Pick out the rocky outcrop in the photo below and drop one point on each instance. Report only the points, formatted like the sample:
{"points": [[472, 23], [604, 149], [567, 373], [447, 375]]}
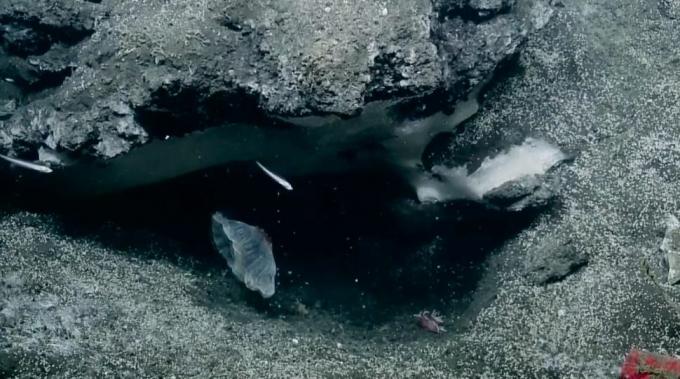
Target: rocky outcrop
{"points": [[554, 261], [114, 75]]}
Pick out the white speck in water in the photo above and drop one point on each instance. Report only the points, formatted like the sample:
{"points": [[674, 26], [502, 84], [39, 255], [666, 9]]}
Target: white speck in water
{"points": [[356, 280], [339, 345], [327, 9], [384, 11], [561, 312], [167, 138], [295, 341], [9, 80]]}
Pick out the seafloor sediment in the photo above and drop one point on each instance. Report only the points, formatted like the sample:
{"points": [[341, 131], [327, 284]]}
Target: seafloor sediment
{"points": [[600, 81]]}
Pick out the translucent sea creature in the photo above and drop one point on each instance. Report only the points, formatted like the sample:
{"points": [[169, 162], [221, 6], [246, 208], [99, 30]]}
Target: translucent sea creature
{"points": [[248, 252]]}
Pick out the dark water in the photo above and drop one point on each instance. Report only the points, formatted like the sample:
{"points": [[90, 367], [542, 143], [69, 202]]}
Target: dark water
{"points": [[358, 243]]}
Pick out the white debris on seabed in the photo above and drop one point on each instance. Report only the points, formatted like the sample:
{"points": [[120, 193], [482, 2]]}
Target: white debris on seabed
{"points": [[671, 248], [532, 157]]}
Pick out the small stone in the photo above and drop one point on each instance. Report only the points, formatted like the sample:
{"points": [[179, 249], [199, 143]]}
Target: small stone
{"points": [[553, 261]]}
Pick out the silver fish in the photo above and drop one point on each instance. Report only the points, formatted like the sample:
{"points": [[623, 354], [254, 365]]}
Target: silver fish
{"points": [[26, 164], [283, 182]]}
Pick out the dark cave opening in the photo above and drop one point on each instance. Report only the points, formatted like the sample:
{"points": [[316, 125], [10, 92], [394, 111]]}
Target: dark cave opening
{"points": [[355, 242]]}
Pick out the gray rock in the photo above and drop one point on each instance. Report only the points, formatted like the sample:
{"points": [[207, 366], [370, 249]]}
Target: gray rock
{"points": [[553, 261], [528, 192], [7, 109], [670, 8], [513, 191], [185, 66]]}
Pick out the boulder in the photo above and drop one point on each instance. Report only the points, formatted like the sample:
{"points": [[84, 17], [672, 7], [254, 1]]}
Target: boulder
{"points": [[184, 66]]}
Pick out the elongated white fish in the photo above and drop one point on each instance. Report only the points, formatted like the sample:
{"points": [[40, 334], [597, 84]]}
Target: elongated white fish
{"points": [[283, 182], [26, 164]]}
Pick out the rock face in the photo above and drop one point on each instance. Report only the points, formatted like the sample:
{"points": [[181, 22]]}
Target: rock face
{"points": [[97, 79]]}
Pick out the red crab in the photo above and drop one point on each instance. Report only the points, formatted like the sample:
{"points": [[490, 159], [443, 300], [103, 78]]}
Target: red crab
{"points": [[430, 321]]}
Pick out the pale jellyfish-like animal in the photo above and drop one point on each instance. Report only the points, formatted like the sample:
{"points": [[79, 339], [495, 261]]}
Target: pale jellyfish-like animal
{"points": [[248, 252]]}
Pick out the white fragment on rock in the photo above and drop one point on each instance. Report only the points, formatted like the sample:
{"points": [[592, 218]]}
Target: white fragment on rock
{"points": [[532, 157], [671, 247]]}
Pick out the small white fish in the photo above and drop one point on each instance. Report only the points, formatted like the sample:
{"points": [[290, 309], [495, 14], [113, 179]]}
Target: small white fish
{"points": [[283, 182], [26, 164]]}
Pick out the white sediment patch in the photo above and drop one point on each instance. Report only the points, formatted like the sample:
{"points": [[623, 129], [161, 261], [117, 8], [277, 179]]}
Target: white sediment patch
{"points": [[532, 157]]}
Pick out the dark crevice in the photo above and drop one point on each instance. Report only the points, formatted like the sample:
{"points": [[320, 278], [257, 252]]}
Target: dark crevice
{"points": [[353, 240], [413, 108], [176, 109], [465, 11], [49, 79], [507, 68], [25, 35], [45, 34]]}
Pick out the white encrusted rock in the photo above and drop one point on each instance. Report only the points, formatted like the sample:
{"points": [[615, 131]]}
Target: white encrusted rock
{"points": [[671, 247]]}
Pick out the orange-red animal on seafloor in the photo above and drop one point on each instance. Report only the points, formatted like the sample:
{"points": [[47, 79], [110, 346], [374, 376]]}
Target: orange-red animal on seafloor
{"points": [[430, 321], [640, 364]]}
